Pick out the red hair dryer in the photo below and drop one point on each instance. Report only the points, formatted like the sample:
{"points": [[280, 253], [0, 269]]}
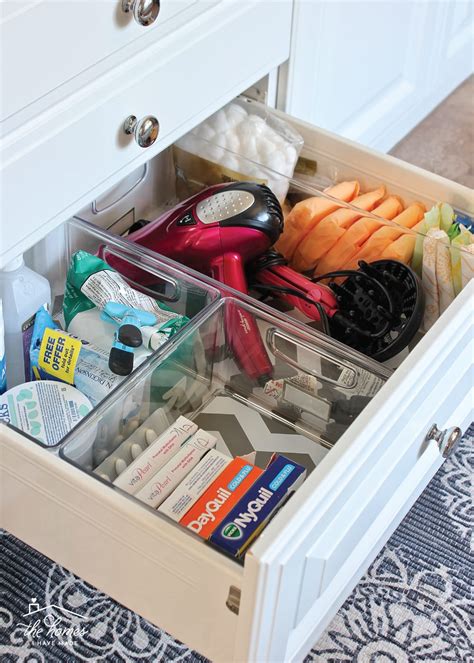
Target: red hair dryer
{"points": [[218, 232], [227, 228]]}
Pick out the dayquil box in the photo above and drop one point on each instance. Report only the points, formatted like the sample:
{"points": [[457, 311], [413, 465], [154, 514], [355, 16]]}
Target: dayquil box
{"points": [[249, 516], [212, 507]]}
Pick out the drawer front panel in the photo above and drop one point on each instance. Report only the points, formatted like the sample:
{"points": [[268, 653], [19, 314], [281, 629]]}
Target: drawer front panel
{"points": [[85, 147], [332, 521], [120, 547], [47, 43]]}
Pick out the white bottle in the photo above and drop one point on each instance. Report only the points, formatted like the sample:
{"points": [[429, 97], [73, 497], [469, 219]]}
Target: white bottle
{"points": [[23, 292]]}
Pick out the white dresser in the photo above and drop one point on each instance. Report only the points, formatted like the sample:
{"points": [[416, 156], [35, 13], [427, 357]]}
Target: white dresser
{"points": [[72, 73]]}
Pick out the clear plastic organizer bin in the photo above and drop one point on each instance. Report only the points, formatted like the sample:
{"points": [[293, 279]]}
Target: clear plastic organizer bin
{"points": [[173, 285], [442, 260], [259, 385]]}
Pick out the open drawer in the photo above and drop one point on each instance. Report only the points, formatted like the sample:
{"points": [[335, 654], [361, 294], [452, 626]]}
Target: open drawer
{"points": [[297, 574]]}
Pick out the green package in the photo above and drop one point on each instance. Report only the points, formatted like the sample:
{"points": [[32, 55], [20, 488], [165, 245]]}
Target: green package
{"points": [[92, 282]]}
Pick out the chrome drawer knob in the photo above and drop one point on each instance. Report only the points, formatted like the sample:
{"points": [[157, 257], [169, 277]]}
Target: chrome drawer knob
{"points": [[145, 12], [446, 439], [145, 130]]}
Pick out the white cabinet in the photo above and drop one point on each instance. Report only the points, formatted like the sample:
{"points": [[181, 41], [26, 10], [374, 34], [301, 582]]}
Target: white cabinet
{"points": [[371, 71], [294, 577]]}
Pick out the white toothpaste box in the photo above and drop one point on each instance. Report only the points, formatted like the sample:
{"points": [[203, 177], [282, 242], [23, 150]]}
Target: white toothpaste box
{"points": [[194, 485], [170, 476], [156, 456]]}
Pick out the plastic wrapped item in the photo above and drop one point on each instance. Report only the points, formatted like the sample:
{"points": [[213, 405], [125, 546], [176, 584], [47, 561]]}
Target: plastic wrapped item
{"points": [[247, 129], [46, 410]]}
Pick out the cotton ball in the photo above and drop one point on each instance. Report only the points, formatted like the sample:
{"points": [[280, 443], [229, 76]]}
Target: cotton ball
{"points": [[277, 162], [220, 139], [265, 149], [291, 158], [275, 138], [206, 132], [258, 126], [244, 131], [233, 142], [214, 153], [249, 147], [219, 121], [235, 115]]}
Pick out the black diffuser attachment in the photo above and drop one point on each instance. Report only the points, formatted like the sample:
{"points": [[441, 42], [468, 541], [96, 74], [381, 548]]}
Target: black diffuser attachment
{"points": [[381, 307]]}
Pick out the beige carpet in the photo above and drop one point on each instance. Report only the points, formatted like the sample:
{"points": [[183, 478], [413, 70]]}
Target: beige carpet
{"points": [[443, 143]]}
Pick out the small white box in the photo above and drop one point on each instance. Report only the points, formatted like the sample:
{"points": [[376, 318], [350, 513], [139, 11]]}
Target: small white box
{"points": [[143, 468], [194, 485], [170, 476]]}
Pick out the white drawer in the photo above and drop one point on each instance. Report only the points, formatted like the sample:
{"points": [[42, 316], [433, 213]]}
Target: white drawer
{"points": [[76, 150], [47, 43], [300, 570]]}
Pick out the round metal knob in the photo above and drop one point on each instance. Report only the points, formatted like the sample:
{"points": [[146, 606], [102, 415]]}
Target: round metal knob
{"points": [[145, 130], [445, 439], [145, 12]]}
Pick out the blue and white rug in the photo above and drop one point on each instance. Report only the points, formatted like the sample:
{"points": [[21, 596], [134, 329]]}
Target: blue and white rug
{"points": [[415, 603]]}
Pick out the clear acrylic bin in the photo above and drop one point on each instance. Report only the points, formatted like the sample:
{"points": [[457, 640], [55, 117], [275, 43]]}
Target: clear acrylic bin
{"points": [[303, 395], [165, 281], [195, 163]]}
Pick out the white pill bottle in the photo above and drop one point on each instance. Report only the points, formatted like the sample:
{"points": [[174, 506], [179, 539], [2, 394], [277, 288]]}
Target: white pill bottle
{"points": [[23, 292]]}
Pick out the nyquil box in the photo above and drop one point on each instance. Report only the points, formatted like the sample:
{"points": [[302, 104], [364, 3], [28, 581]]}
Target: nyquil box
{"points": [[254, 509]]}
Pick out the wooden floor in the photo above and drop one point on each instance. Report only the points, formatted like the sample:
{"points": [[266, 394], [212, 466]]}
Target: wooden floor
{"points": [[444, 142]]}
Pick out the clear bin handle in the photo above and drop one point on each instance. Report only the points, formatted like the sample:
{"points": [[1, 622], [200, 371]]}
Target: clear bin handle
{"points": [[273, 333], [149, 268], [94, 206]]}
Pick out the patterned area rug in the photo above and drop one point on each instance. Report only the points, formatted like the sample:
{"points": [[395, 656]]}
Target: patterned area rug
{"points": [[415, 603]]}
